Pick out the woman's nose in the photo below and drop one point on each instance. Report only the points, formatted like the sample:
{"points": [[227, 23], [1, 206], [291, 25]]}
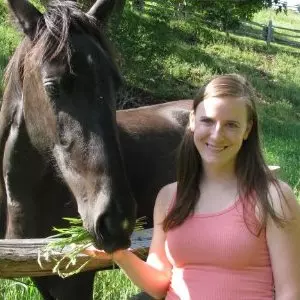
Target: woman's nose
{"points": [[217, 131]]}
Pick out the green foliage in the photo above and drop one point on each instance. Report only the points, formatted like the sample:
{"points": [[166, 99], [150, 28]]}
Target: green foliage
{"points": [[77, 238], [3, 12], [227, 15]]}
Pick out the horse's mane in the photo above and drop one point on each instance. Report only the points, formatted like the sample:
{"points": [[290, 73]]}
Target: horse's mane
{"points": [[52, 36]]}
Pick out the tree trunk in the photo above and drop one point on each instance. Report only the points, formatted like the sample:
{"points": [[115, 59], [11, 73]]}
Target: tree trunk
{"points": [[118, 13]]}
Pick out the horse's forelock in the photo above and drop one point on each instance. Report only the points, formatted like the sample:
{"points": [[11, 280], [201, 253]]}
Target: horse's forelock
{"points": [[52, 39], [53, 30]]}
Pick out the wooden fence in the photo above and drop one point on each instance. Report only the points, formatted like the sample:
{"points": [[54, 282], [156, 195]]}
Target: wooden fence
{"points": [[271, 33], [19, 258]]}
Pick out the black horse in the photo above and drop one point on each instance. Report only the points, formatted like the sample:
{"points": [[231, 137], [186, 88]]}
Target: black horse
{"points": [[64, 148]]}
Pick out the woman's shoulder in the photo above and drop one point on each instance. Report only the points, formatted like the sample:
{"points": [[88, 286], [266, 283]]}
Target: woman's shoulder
{"points": [[283, 199], [166, 196], [169, 188]]}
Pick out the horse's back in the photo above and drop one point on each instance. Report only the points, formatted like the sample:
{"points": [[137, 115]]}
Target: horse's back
{"points": [[154, 117], [149, 137]]}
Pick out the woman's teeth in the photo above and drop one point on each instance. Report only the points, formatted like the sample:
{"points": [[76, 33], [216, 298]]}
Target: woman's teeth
{"points": [[215, 148]]}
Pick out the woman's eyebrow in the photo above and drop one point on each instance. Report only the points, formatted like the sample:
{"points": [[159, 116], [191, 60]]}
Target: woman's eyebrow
{"points": [[233, 121], [203, 118]]}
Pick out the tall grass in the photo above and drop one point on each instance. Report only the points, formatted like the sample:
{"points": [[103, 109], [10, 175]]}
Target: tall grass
{"points": [[18, 289], [165, 59], [109, 285]]}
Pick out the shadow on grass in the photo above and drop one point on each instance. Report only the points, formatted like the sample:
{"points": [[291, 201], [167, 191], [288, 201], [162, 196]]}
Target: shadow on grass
{"points": [[145, 45]]}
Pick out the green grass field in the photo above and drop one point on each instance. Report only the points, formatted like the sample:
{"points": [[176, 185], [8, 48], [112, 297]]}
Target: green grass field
{"points": [[164, 58]]}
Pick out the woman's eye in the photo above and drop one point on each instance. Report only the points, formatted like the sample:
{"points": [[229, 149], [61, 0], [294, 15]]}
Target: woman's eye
{"points": [[206, 121], [232, 125]]}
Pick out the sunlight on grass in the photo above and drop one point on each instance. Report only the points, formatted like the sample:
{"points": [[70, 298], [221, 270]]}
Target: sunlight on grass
{"points": [[110, 286], [18, 289], [291, 20]]}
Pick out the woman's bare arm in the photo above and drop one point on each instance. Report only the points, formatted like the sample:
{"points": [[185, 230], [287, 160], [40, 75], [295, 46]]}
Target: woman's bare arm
{"points": [[154, 275], [284, 245]]}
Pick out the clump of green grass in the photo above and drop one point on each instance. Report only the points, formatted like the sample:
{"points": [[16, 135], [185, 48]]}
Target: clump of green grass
{"points": [[76, 238], [72, 241]]}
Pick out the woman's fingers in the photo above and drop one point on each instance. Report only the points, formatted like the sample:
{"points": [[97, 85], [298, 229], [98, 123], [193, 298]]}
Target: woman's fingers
{"points": [[94, 252], [101, 254]]}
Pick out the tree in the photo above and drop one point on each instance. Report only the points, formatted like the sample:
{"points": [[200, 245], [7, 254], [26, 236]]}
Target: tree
{"points": [[229, 14]]}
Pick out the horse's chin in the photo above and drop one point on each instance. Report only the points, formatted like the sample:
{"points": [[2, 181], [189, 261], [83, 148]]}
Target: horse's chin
{"points": [[113, 246]]}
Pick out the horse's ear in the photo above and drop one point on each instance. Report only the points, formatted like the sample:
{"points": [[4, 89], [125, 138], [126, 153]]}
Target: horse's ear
{"points": [[102, 9], [27, 15]]}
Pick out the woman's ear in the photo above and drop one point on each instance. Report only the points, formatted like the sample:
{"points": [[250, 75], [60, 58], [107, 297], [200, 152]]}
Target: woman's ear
{"points": [[192, 121], [248, 130]]}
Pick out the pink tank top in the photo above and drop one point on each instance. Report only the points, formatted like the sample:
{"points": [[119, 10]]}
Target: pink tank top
{"points": [[216, 257]]}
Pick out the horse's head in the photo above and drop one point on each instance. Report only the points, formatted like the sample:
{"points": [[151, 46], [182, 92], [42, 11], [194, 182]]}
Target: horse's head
{"points": [[68, 83]]}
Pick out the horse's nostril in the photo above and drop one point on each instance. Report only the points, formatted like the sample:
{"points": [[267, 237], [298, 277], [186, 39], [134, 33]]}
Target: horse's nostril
{"points": [[106, 229]]}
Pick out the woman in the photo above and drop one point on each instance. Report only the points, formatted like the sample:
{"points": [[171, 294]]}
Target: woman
{"points": [[227, 229]]}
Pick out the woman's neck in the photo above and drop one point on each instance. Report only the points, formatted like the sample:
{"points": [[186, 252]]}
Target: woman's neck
{"points": [[219, 174]]}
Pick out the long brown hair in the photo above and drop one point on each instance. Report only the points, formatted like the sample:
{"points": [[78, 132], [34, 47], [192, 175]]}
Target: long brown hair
{"points": [[253, 175]]}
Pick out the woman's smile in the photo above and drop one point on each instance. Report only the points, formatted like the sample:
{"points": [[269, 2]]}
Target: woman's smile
{"points": [[215, 148]]}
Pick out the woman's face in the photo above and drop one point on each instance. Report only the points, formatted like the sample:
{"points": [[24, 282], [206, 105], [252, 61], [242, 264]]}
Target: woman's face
{"points": [[220, 126]]}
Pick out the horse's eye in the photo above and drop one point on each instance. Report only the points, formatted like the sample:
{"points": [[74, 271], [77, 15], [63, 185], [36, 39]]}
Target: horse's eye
{"points": [[52, 89]]}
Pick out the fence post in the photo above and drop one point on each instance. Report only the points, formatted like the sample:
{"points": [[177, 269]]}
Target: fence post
{"points": [[270, 33]]}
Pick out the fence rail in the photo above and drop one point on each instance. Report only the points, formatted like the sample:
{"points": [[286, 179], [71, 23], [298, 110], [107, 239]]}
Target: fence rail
{"points": [[285, 28], [19, 258], [270, 33]]}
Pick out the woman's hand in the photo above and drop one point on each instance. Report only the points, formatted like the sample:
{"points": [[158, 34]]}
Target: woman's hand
{"points": [[96, 253], [101, 254]]}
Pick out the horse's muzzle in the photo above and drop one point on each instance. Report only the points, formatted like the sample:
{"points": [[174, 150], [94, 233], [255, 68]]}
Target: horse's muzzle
{"points": [[111, 236]]}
